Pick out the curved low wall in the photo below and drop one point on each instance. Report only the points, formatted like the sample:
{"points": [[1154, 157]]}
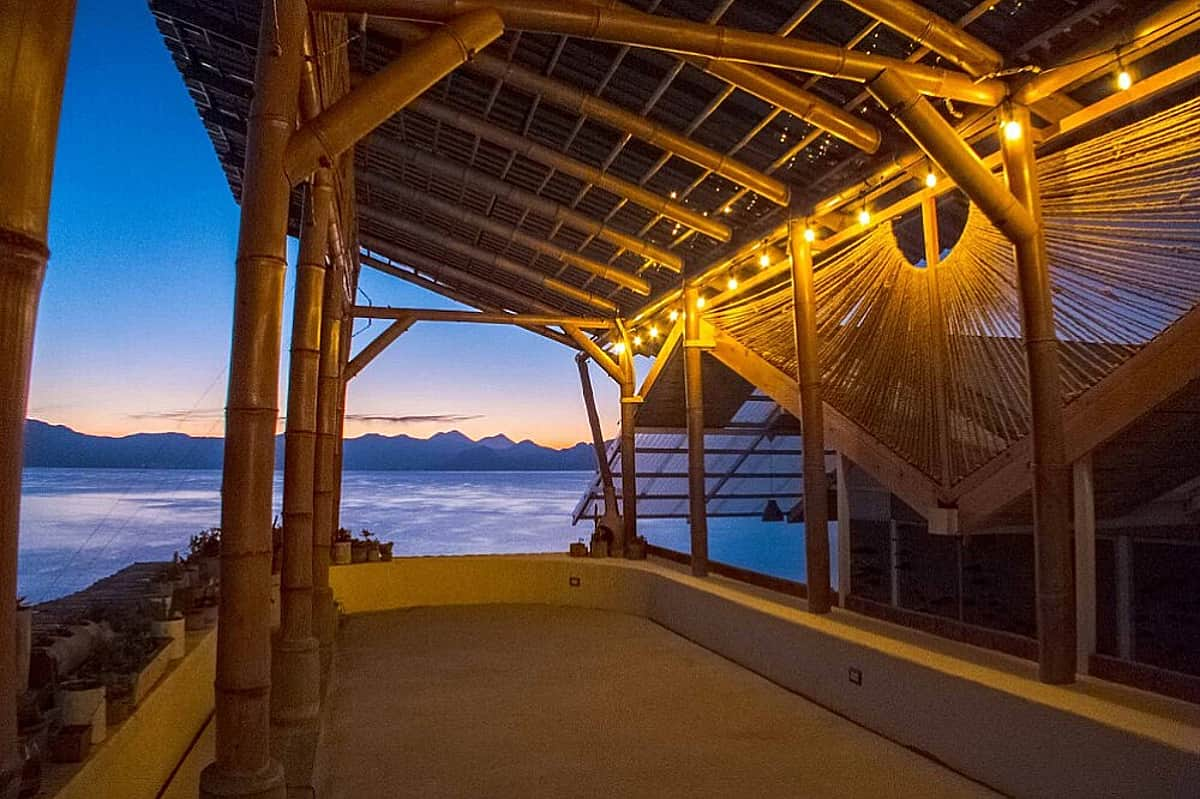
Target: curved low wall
{"points": [[979, 712]]}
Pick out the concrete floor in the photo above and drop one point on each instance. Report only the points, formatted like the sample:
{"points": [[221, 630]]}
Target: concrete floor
{"points": [[532, 701]]}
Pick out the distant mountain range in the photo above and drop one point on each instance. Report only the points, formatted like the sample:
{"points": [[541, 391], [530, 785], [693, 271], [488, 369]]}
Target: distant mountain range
{"points": [[59, 446]]}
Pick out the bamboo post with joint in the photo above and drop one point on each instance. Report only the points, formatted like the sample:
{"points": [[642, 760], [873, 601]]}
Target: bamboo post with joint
{"points": [[629, 405], [1051, 472], [244, 766], [329, 382], [940, 335], [808, 379], [35, 40], [296, 675], [693, 351]]}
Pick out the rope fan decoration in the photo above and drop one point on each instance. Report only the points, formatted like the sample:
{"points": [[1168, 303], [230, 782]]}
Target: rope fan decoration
{"points": [[1122, 216]]}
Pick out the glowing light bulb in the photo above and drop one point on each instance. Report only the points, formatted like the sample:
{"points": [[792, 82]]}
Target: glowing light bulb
{"points": [[653, 332], [1124, 79], [674, 195], [931, 180], [764, 260], [810, 235], [700, 301], [673, 315], [864, 217], [637, 341], [732, 284], [727, 209], [618, 348], [1013, 130]]}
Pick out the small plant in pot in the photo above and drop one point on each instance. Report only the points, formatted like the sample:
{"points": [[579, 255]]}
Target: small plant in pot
{"points": [[166, 622], [342, 547], [358, 549], [372, 546], [385, 550], [204, 550]]}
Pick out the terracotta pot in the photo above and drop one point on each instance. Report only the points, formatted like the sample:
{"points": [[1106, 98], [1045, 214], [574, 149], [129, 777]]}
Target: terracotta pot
{"points": [[176, 630], [358, 552], [385, 551], [373, 552], [211, 611], [341, 553]]}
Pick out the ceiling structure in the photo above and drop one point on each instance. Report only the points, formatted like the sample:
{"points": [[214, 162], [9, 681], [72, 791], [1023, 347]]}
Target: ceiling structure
{"points": [[565, 174]]}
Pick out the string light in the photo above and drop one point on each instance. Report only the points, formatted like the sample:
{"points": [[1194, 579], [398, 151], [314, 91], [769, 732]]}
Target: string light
{"points": [[1013, 130], [732, 283], [810, 235], [618, 348], [931, 180], [727, 209], [673, 315], [764, 260], [700, 301], [637, 341], [653, 332], [864, 217], [1124, 79]]}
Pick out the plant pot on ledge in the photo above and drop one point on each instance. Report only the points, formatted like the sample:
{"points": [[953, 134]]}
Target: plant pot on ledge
{"points": [[358, 551], [385, 550], [342, 548]]}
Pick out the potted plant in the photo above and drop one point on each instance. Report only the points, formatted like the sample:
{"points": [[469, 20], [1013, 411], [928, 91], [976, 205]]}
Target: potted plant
{"points": [[342, 547], [166, 622], [204, 550], [372, 546], [210, 606], [385, 550]]}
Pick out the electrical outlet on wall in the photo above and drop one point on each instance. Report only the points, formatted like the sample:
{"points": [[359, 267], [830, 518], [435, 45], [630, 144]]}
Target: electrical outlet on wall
{"points": [[574, 581], [856, 676]]}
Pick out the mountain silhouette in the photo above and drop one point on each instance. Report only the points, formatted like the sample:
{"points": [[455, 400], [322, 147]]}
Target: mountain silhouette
{"points": [[48, 445]]}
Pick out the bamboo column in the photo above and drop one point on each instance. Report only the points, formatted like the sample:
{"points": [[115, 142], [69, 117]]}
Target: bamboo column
{"points": [[329, 387], [1051, 472], [35, 38], [629, 405], [296, 668], [693, 349], [244, 766], [816, 498]]}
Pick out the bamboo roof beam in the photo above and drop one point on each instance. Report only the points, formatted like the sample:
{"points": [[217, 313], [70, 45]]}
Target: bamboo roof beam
{"points": [[940, 35], [447, 275], [628, 27], [495, 260], [320, 140], [479, 317], [576, 169], [484, 223], [583, 103], [556, 212], [466, 298]]}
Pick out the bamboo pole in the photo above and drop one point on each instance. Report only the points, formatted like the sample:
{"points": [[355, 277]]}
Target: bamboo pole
{"points": [[602, 466], [35, 39], [244, 766], [808, 379], [939, 35], [940, 354], [334, 130], [296, 668], [376, 346], [626, 26], [1051, 472], [693, 350], [629, 405], [329, 382]]}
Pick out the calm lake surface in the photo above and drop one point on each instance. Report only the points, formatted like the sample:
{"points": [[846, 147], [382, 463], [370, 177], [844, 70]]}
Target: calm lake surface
{"points": [[79, 525]]}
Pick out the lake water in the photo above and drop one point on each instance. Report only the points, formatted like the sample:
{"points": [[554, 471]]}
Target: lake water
{"points": [[78, 525]]}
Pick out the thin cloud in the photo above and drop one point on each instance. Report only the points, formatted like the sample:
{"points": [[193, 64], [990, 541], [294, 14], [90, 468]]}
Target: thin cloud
{"points": [[439, 418], [181, 416]]}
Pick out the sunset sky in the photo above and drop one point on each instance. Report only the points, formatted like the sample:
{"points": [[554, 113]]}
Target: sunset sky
{"points": [[133, 333]]}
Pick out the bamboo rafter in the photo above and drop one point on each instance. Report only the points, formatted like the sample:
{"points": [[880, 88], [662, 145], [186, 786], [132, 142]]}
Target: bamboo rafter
{"points": [[1120, 215]]}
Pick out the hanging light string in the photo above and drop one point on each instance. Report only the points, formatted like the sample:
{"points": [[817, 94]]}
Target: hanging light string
{"points": [[1122, 235]]}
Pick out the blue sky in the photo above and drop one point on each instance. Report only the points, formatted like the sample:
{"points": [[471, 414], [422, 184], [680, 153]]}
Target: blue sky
{"points": [[133, 333]]}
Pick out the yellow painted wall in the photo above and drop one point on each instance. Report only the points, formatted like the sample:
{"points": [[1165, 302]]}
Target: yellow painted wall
{"points": [[982, 713], [138, 756]]}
